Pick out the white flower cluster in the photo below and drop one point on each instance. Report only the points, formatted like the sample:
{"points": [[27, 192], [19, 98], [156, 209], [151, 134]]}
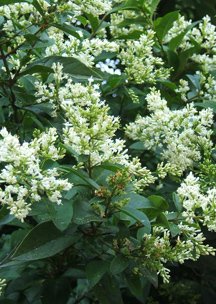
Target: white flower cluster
{"points": [[16, 10], [183, 89], [159, 249], [206, 88], [89, 130], [79, 7], [178, 136], [116, 19], [27, 16], [204, 34], [206, 61], [23, 178], [197, 205], [140, 62], [179, 26], [85, 50], [93, 7]]}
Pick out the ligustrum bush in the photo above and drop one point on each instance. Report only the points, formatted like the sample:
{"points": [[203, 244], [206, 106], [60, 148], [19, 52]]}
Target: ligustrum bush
{"points": [[107, 154]]}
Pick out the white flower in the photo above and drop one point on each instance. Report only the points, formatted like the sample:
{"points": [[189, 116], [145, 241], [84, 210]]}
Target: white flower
{"points": [[140, 62], [193, 199], [24, 174], [180, 135]]}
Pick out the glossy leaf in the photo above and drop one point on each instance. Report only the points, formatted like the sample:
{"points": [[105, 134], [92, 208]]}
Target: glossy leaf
{"points": [[108, 292], [43, 241], [159, 202], [95, 271], [118, 264], [163, 24], [137, 215]]}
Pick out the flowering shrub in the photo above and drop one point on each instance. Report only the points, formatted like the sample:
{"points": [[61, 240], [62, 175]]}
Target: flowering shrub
{"points": [[107, 148]]}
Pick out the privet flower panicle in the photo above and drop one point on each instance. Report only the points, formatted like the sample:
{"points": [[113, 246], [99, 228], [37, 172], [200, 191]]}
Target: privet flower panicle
{"points": [[194, 200], [117, 18], [140, 62], [208, 86], [179, 26], [180, 135], [204, 34], [183, 89], [24, 177], [88, 129], [96, 8], [158, 248], [84, 50]]}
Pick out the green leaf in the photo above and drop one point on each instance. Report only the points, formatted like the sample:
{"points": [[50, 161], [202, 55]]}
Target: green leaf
{"points": [[129, 21], [177, 202], [60, 215], [164, 24], [94, 21], [68, 29], [36, 69], [174, 229], [137, 146], [207, 104], [2, 116], [138, 286], [70, 193], [195, 81], [1, 20], [4, 101], [141, 232], [184, 56], [151, 276], [176, 41], [56, 290], [108, 292], [159, 202], [154, 5], [162, 220], [173, 59], [38, 7], [118, 264], [63, 215], [137, 201], [43, 241], [71, 66], [95, 271], [40, 108], [83, 213], [82, 175], [110, 167], [138, 215], [5, 216], [128, 5]]}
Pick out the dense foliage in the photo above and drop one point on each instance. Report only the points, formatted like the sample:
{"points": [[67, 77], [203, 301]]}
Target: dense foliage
{"points": [[107, 152]]}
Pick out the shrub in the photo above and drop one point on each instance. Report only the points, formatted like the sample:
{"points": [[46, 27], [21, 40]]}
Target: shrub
{"points": [[107, 153]]}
